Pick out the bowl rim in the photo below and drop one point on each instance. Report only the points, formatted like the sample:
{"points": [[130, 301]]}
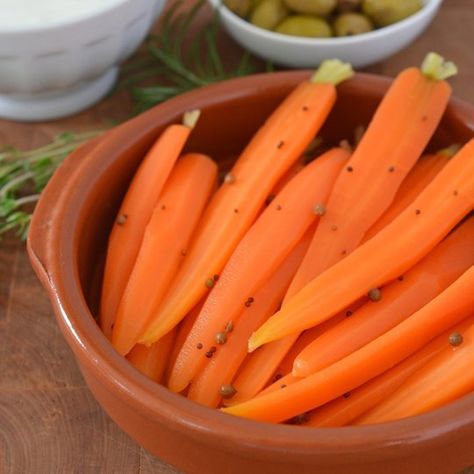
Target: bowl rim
{"points": [[429, 7], [97, 11], [384, 441]]}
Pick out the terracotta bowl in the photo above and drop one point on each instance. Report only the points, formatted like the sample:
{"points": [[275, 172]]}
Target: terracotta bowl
{"points": [[66, 246]]}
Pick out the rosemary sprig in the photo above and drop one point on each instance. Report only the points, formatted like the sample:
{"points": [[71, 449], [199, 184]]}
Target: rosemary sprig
{"points": [[173, 60], [24, 174], [180, 57]]}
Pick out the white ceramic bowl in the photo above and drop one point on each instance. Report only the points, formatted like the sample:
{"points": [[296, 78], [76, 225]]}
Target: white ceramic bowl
{"points": [[59, 68], [359, 50]]}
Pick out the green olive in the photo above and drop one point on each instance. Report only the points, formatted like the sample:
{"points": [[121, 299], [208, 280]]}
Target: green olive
{"points": [[305, 25], [239, 7], [268, 13], [386, 12], [348, 5], [312, 7], [349, 24]]}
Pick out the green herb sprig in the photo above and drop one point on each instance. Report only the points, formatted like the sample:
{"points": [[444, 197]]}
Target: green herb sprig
{"points": [[166, 67], [24, 174]]}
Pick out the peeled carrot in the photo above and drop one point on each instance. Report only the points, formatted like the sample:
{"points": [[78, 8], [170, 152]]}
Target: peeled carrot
{"points": [[449, 308], [211, 384], [397, 135], [305, 339], [285, 179], [429, 277], [261, 366], [134, 214], [276, 146], [446, 377], [152, 361], [395, 249], [344, 410], [182, 333], [419, 177], [263, 248], [164, 245]]}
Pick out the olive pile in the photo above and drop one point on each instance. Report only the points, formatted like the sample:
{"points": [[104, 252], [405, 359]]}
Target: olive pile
{"points": [[323, 18]]}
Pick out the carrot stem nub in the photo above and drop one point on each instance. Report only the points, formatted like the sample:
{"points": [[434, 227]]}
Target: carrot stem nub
{"points": [[191, 118], [332, 71], [437, 68]]}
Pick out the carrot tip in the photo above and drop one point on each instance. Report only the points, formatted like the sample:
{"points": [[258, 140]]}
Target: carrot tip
{"points": [[332, 71], [253, 343], [191, 118], [437, 68]]}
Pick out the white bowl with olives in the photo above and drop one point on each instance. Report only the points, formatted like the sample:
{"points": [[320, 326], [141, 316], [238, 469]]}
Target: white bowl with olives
{"points": [[302, 33]]}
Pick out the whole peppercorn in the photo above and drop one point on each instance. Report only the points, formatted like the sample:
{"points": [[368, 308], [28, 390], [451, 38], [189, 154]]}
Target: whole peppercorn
{"points": [[375, 294], [121, 219], [221, 338], [227, 390], [319, 209], [455, 339]]}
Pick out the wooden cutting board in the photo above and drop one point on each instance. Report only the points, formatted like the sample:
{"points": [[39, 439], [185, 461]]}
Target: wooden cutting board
{"points": [[49, 422]]}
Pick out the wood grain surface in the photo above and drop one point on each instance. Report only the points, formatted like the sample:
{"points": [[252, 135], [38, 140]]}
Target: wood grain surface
{"points": [[49, 422]]}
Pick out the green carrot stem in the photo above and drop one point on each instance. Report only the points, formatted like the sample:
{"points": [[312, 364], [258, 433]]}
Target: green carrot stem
{"points": [[435, 67], [332, 71]]}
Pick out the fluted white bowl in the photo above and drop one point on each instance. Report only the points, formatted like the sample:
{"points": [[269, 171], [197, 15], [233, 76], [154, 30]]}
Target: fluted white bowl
{"points": [[59, 68]]}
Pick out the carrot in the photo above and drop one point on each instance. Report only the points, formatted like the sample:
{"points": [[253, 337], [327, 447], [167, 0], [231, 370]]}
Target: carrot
{"points": [[261, 366], [345, 409], [397, 135], [166, 238], [272, 151], [429, 277], [135, 212], [151, 361], [263, 248], [304, 339], [419, 177], [447, 376], [182, 333], [284, 180], [395, 249], [449, 308], [215, 380]]}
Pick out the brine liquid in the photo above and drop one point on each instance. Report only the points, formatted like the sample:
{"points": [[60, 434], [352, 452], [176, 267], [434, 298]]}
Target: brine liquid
{"points": [[38, 13]]}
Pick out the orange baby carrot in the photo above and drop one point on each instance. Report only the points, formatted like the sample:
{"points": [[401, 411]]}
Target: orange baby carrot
{"points": [[449, 308], [182, 333], [266, 355], [397, 135], [276, 146], [211, 384], [134, 214], [447, 376], [284, 180], [395, 249], [266, 244], [166, 238], [151, 361], [419, 177], [306, 338], [261, 367], [344, 410], [429, 277]]}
